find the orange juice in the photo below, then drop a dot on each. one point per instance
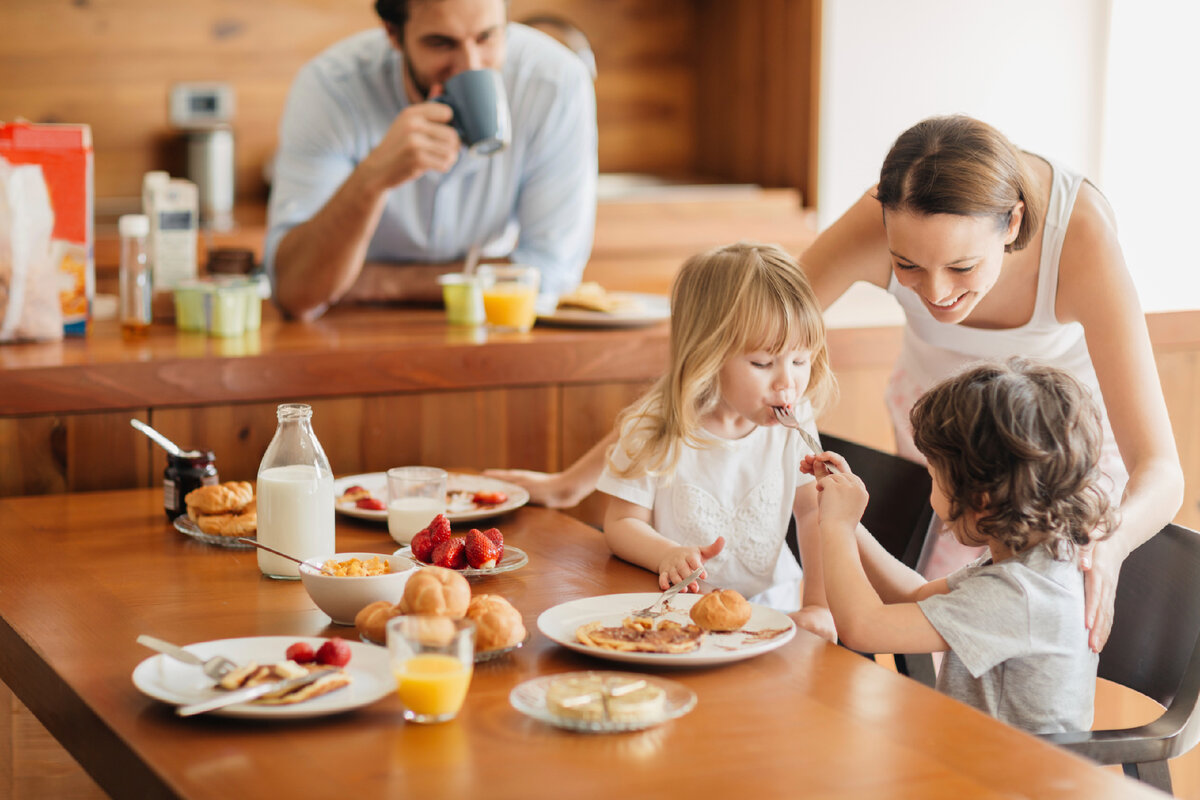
(433, 685)
(510, 305)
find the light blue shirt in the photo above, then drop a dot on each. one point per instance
(534, 202)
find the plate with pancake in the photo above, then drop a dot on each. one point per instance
(630, 310)
(163, 678)
(460, 490)
(767, 630)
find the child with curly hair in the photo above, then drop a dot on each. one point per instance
(1013, 449)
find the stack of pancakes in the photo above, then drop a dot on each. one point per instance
(225, 509)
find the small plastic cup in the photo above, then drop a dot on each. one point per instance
(463, 297)
(432, 659)
(510, 296)
(415, 496)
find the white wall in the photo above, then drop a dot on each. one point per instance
(1035, 69)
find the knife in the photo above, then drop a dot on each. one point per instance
(252, 693)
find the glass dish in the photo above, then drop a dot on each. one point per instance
(513, 558)
(530, 698)
(185, 525)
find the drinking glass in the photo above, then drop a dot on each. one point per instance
(463, 299)
(432, 659)
(415, 496)
(510, 296)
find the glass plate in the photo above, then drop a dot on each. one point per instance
(185, 525)
(530, 698)
(486, 655)
(458, 510)
(513, 558)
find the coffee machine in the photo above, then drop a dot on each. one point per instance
(203, 112)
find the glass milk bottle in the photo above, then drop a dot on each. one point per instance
(295, 495)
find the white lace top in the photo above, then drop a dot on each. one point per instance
(741, 489)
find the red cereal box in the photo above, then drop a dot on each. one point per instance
(65, 155)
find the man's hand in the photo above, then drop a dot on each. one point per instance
(419, 140)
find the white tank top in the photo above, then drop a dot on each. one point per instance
(935, 350)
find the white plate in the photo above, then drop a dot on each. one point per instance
(560, 623)
(187, 526)
(655, 308)
(513, 558)
(171, 681)
(530, 698)
(459, 510)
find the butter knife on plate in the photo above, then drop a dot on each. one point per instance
(251, 693)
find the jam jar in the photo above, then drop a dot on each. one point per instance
(189, 470)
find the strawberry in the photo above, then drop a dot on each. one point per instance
(482, 552)
(488, 498)
(439, 529)
(334, 653)
(497, 537)
(370, 503)
(301, 653)
(422, 546)
(451, 553)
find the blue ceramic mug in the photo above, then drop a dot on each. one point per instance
(480, 107)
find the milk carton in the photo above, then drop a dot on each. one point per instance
(172, 204)
(64, 153)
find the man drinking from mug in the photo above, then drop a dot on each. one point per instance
(375, 195)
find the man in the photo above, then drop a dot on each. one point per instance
(374, 195)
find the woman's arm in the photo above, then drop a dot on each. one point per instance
(853, 248)
(562, 489)
(1096, 290)
(630, 536)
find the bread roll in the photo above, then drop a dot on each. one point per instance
(497, 623)
(372, 620)
(438, 592)
(721, 610)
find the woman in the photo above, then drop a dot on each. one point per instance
(993, 252)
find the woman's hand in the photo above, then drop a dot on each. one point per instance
(549, 489)
(679, 562)
(818, 620)
(1101, 565)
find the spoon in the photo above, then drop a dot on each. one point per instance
(158, 438)
(262, 546)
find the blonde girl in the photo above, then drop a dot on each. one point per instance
(702, 473)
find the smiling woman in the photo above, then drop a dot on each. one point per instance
(993, 252)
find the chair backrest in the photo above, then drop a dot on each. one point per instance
(1157, 617)
(898, 512)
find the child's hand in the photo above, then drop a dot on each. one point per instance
(815, 464)
(841, 498)
(679, 562)
(817, 619)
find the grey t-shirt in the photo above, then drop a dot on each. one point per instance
(1018, 643)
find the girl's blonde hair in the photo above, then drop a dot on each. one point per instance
(725, 302)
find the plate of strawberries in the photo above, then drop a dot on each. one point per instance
(474, 553)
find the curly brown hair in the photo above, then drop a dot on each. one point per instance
(1019, 443)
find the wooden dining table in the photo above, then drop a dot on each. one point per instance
(85, 573)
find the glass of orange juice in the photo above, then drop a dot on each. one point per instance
(432, 659)
(509, 296)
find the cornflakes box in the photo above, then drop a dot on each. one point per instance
(65, 155)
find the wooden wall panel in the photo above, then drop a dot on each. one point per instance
(76, 452)
(110, 63)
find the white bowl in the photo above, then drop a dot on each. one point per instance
(343, 597)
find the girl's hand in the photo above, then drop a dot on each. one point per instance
(1101, 565)
(679, 562)
(815, 464)
(841, 500)
(818, 620)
